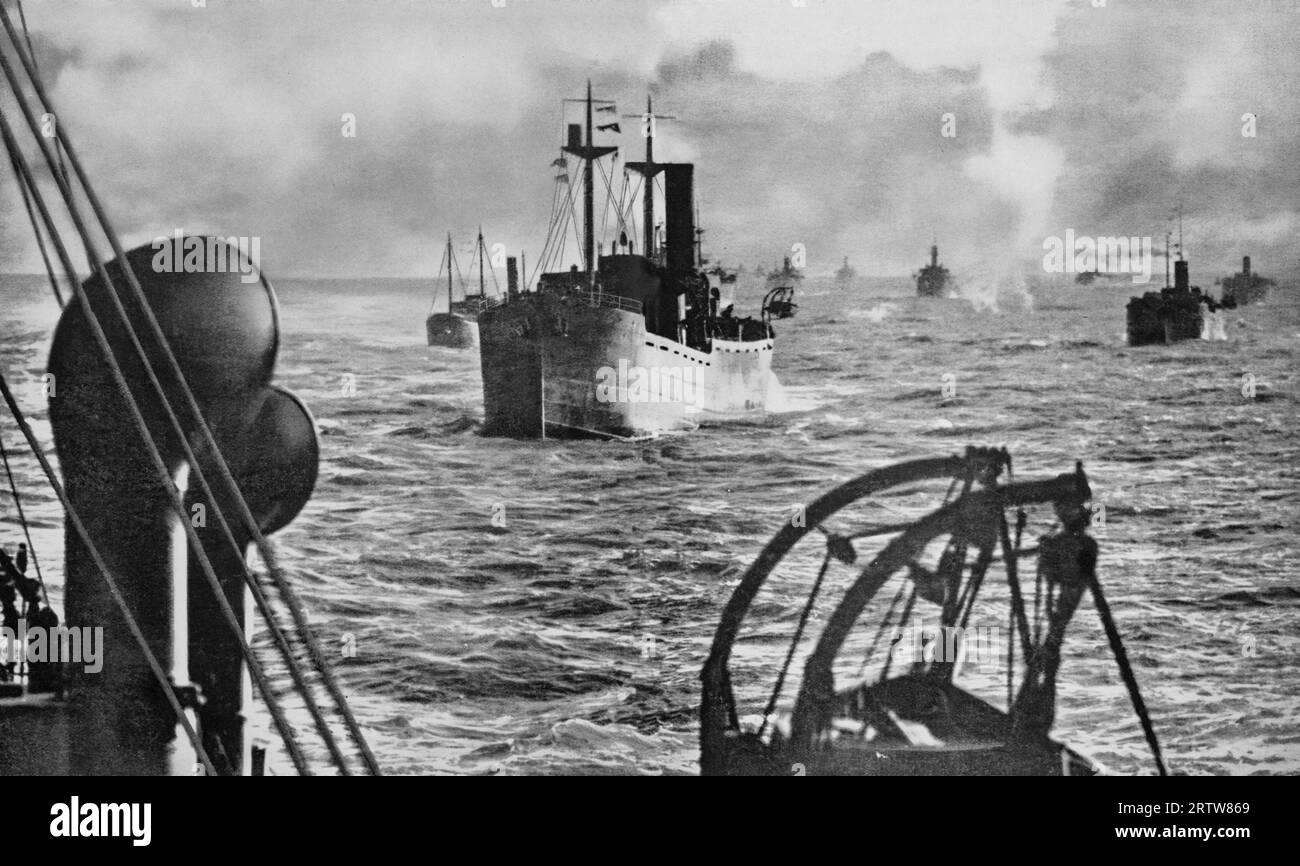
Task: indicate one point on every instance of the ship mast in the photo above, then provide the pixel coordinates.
(1179, 211)
(699, 241)
(1180, 231)
(588, 153)
(588, 194)
(1168, 234)
(449, 297)
(648, 170)
(648, 197)
(482, 291)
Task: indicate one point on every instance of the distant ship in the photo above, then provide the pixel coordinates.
(1169, 315)
(786, 275)
(845, 276)
(627, 345)
(1087, 278)
(454, 323)
(932, 280)
(1245, 287)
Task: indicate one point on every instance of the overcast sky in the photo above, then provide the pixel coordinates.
(818, 124)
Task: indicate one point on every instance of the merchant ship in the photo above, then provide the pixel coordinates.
(1246, 287)
(786, 275)
(932, 279)
(624, 344)
(845, 276)
(1172, 314)
(451, 322)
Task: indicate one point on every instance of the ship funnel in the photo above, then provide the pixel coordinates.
(1180, 275)
(1245, 267)
(934, 255)
(512, 276)
(679, 195)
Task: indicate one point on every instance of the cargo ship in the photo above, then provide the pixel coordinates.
(626, 344)
(786, 275)
(454, 323)
(1174, 313)
(845, 276)
(932, 280)
(1246, 287)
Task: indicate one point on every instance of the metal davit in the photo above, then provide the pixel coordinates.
(912, 718)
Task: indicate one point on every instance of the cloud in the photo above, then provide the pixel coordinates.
(1148, 113)
(817, 124)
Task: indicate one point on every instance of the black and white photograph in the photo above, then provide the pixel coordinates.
(446, 388)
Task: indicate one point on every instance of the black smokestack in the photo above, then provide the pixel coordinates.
(1245, 267)
(679, 202)
(1180, 275)
(512, 275)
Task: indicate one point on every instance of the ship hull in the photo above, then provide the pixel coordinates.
(568, 368)
(452, 330)
(1245, 293)
(931, 287)
(1156, 319)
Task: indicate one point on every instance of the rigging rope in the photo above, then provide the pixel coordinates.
(902, 623)
(548, 247)
(1125, 669)
(630, 219)
(582, 248)
(27, 37)
(794, 643)
(884, 625)
(437, 280)
(452, 255)
(36, 230)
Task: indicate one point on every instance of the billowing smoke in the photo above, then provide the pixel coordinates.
(821, 126)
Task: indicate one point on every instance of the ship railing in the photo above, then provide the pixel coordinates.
(592, 298)
(609, 299)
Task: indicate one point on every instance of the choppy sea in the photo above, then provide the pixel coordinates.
(567, 635)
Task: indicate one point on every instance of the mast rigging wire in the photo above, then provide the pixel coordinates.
(40, 239)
